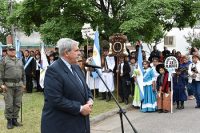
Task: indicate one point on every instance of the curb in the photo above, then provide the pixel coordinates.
(108, 114)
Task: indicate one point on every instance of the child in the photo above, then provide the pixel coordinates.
(179, 94)
(163, 88)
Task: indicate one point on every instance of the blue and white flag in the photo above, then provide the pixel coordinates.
(17, 48)
(140, 76)
(44, 64)
(96, 54)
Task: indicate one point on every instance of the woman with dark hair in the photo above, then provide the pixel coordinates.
(149, 104)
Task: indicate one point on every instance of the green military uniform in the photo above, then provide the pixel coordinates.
(13, 78)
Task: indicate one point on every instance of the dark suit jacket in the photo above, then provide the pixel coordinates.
(63, 98)
(31, 68)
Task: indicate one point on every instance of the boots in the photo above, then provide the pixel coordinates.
(16, 123)
(178, 107)
(182, 105)
(10, 124)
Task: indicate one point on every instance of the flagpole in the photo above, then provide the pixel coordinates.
(118, 79)
(94, 89)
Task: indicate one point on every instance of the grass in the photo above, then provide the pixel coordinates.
(32, 109)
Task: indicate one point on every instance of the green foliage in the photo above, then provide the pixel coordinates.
(196, 43)
(4, 25)
(138, 19)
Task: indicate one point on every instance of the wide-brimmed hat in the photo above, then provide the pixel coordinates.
(159, 66)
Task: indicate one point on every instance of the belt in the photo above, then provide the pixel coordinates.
(12, 80)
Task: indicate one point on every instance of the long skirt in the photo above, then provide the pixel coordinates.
(164, 101)
(136, 98)
(149, 103)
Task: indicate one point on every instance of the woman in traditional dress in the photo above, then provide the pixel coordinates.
(136, 98)
(149, 103)
(163, 88)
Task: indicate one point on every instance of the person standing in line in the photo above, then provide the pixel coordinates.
(30, 67)
(67, 98)
(149, 104)
(179, 88)
(163, 90)
(194, 73)
(108, 65)
(12, 82)
(133, 66)
(92, 82)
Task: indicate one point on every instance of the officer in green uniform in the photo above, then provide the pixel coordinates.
(12, 82)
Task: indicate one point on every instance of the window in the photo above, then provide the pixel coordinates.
(169, 40)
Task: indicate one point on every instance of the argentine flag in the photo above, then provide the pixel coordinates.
(17, 48)
(140, 77)
(96, 54)
(44, 64)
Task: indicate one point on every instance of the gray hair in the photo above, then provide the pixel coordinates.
(65, 45)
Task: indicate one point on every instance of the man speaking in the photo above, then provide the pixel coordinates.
(68, 100)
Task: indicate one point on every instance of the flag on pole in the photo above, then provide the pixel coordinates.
(1, 51)
(96, 54)
(17, 48)
(140, 76)
(43, 66)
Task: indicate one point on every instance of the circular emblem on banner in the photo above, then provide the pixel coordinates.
(117, 47)
(171, 62)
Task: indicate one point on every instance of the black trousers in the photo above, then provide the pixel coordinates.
(29, 83)
(124, 88)
(37, 78)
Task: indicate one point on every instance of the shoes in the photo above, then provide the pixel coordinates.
(178, 107)
(10, 124)
(16, 123)
(160, 111)
(197, 107)
(165, 111)
(182, 107)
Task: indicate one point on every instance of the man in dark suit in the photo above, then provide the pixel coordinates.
(30, 68)
(68, 100)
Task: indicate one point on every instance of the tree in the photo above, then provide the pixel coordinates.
(5, 28)
(138, 19)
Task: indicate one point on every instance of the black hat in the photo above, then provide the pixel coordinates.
(159, 66)
(106, 48)
(11, 47)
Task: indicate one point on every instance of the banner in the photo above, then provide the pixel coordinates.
(140, 77)
(44, 64)
(96, 54)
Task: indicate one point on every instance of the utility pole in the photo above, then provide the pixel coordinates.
(10, 8)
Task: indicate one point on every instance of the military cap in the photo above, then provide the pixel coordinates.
(11, 47)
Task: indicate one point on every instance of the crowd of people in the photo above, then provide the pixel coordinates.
(117, 72)
(156, 85)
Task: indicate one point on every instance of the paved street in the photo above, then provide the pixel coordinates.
(181, 121)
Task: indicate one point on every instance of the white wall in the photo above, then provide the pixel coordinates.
(180, 41)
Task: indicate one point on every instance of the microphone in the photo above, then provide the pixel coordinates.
(93, 66)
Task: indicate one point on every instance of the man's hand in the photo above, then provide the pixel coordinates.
(23, 88)
(86, 109)
(3, 88)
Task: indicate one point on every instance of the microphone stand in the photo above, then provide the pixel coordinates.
(121, 111)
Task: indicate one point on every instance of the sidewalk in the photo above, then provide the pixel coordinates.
(181, 121)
